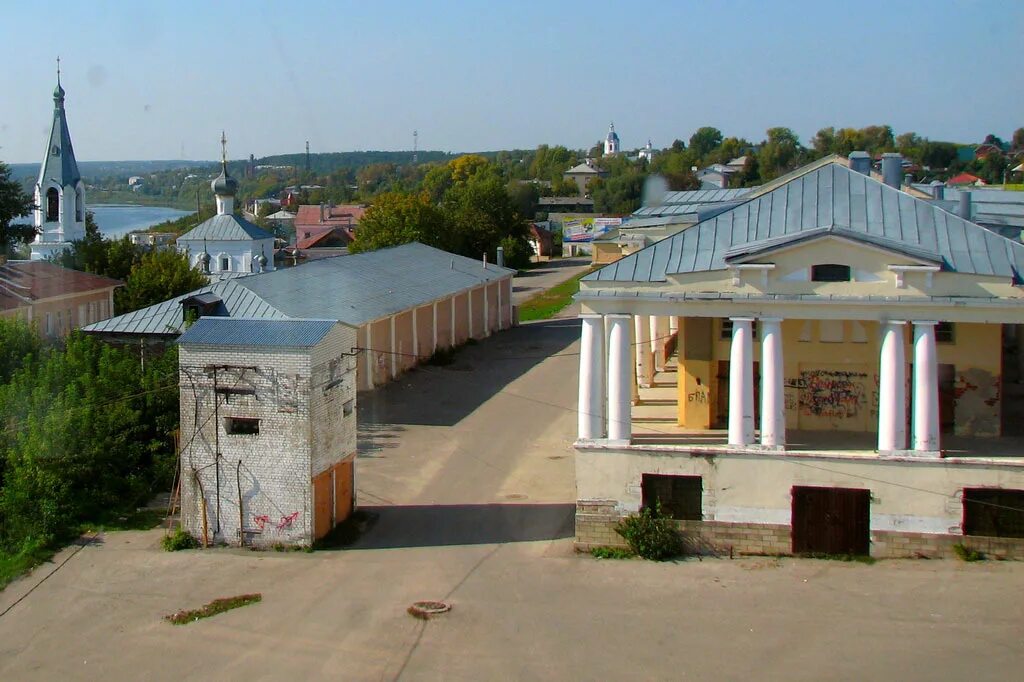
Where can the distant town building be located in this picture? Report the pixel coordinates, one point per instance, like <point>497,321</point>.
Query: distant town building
<point>135,181</point>
<point>227,245</point>
<point>583,174</point>
<point>54,300</point>
<point>158,240</point>
<point>647,153</point>
<point>327,224</point>
<point>268,426</point>
<point>59,215</point>
<point>611,142</point>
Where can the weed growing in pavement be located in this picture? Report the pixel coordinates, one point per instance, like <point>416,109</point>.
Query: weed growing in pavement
<point>179,539</point>
<point>611,553</point>
<point>651,534</point>
<point>965,553</point>
<point>213,608</point>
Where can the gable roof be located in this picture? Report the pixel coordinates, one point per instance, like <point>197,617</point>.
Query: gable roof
<point>582,169</point>
<point>249,333</point>
<point>31,281</point>
<point>353,289</point>
<point>308,215</point>
<point>830,196</point>
<point>225,227</point>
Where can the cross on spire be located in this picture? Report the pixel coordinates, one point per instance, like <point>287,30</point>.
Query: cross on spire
<point>223,148</point>
<point>58,69</point>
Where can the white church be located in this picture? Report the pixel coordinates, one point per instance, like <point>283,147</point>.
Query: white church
<point>227,245</point>
<point>59,214</point>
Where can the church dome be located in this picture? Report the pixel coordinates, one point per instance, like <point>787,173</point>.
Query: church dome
<point>224,184</point>
<point>58,92</point>
<point>612,135</point>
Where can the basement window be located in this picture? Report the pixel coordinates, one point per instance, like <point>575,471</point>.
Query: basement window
<point>994,512</point>
<point>680,496</point>
<point>944,333</point>
<point>241,426</point>
<point>830,272</point>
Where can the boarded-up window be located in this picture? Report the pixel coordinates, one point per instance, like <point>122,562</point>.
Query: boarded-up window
<point>241,426</point>
<point>994,512</point>
<point>680,496</point>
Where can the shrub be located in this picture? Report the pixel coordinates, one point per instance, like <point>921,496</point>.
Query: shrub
<point>651,534</point>
<point>965,553</point>
<point>179,539</point>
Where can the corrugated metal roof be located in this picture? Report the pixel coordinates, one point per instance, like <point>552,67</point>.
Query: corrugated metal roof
<point>830,195</point>
<point>995,208</point>
<point>60,166</point>
<point>226,331</point>
<point>704,196</point>
<point>353,289</point>
<point>225,227</point>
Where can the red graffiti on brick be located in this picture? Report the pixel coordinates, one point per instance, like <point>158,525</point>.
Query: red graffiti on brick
<point>261,521</point>
<point>287,521</point>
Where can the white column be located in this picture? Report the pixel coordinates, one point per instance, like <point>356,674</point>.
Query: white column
<point>926,388</point>
<point>773,405</point>
<point>619,378</point>
<point>591,410</point>
<point>644,372</point>
<point>673,325</point>
<point>741,383</point>
<point>892,389</point>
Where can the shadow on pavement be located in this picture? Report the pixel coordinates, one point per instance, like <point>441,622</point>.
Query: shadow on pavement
<point>464,524</point>
<point>444,395</point>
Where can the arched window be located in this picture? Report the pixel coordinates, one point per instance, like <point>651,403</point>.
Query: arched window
<point>225,262</point>
<point>52,205</point>
<point>79,206</point>
<point>830,272</point>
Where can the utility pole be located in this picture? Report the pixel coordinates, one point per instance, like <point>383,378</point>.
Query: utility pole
<point>307,156</point>
<point>415,145</point>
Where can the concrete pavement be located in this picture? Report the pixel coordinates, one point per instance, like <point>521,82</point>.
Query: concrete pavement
<point>545,275</point>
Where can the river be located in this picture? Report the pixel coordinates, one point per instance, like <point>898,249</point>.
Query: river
<point>117,220</point>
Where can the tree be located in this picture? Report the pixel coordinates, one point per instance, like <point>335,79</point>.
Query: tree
<point>780,153</point>
<point>1017,141</point>
<point>399,218</point>
<point>14,203</point>
<point>619,194</point>
<point>158,276</point>
<point>705,140</point>
<point>992,138</point>
<point>479,214</point>
<point>19,344</point>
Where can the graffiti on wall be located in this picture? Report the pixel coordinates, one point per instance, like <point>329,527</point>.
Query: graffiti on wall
<point>837,394</point>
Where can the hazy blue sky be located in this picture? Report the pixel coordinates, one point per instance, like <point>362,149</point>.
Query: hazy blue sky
<point>160,80</point>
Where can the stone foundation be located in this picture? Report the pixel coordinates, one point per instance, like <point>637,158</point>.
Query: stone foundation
<point>596,521</point>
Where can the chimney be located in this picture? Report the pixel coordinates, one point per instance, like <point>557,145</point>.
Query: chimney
<point>964,209</point>
<point>938,189</point>
<point>500,258</point>
<point>892,169</point>
<point>724,182</point>
<point>907,179</point>
<point>860,162</point>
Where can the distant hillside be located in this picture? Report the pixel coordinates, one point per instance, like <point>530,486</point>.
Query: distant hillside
<point>330,162</point>
<point>96,169</point>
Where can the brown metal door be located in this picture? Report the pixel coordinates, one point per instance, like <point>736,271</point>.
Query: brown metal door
<point>322,504</point>
<point>947,398</point>
<point>343,479</point>
<point>831,520</point>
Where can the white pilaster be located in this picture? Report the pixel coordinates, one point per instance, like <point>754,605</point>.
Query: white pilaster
<point>591,396</point>
<point>892,389</point>
<point>644,370</point>
<point>619,378</point>
<point>926,389</point>
<point>673,325</point>
<point>773,405</point>
<point>741,383</point>
<point>394,356</point>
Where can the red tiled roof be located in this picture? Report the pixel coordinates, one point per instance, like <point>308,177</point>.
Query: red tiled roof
<point>349,215</point>
<point>963,179</point>
<point>307,237</point>
<point>37,280</point>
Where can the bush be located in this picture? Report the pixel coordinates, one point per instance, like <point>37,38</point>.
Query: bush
<point>651,534</point>
<point>965,553</point>
<point>611,553</point>
<point>179,539</point>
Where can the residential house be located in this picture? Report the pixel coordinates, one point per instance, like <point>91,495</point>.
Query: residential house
<point>583,174</point>
<point>54,300</point>
<point>964,179</point>
<point>268,430</point>
<point>154,240</point>
<point>817,369</point>
<point>326,224</point>
<point>407,302</point>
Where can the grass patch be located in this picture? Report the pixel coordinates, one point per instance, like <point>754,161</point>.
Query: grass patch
<point>611,553</point>
<point>28,557</point>
<point>547,303</point>
<point>178,540</point>
<point>859,558</point>
<point>213,608</point>
<point>965,553</point>
<point>140,519</point>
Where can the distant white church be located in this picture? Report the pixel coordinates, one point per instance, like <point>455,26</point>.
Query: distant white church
<point>611,142</point>
<point>227,245</point>
<point>59,215</point>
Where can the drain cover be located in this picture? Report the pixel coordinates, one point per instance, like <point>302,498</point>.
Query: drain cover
<point>428,609</point>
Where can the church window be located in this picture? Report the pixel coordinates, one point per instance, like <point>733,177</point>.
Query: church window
<point>830,272</point>
<point>225,263</point>
<point>79,206</point>
<point>52,205</point>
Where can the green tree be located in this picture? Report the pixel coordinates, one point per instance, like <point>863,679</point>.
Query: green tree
<point>1017,141</point>
<point>619,194</point>
<point>705,141</point>
<point>19,344</point>
<point>14,203</point>
<point>780,153</point>
<point>399,218</point>
<point>158,276</point>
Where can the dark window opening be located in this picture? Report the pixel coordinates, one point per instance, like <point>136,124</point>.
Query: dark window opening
<point>680,496</point>
<point>52,205</point>
<point>241,426</point>
<point>225,263</point>
<point>727,329</point>
<point>830,272</point>
<point>994,512</point>
<point>78,207</point>
<point>944,333</point>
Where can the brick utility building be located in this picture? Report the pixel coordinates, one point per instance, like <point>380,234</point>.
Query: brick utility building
<point>268,430</point>
<point>54,300</point>
<point>406,302</point>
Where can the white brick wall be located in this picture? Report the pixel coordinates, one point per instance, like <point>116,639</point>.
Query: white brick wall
<point>303,430</point>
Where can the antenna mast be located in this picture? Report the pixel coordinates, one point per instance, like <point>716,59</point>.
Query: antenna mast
<point>415,145</point>
<point>307,156</point>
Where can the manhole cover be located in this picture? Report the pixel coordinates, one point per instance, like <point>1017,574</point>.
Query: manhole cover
<point>428,609</point>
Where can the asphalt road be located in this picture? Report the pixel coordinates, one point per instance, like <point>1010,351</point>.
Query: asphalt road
<point>468,470</point>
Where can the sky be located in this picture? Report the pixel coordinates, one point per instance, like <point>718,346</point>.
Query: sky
<point>160,80</point>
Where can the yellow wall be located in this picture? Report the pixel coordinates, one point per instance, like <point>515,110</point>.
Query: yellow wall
<point>831,374</point>
<point>605,252</point>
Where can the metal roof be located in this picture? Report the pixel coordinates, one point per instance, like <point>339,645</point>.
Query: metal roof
<point>226,331</point>
<point>59,162</point>
<point>225,227</point>
<point>686,209</point>
<point>995,208</point>
<point>831,195</point>
<point>353,289</point>
<point>704,196</point>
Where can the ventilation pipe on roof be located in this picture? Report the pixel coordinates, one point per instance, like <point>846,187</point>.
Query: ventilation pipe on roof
<point>860,162</point>
<point>892,169</point>
<point>907,179</point>
<point>938,189</point>
<point>964,209</point>
<point>500,258</point>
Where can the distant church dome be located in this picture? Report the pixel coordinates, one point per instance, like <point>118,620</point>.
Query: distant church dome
<point>224,184</point>
<point>611,143</point>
